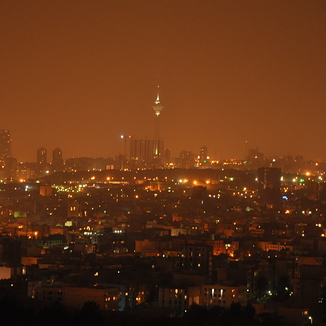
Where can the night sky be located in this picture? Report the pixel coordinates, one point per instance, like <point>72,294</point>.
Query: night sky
<point>78,74</point>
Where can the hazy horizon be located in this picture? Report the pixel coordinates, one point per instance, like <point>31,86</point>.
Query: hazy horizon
<point>78,75</point>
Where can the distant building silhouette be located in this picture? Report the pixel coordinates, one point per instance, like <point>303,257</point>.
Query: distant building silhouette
<point>41,156</point>
<point>167,156</point>
<point>57,161</point>
<point>203,155</point>
<point>7,163</point>
<point>186,160</point>
<point>255,157</point>
<point>5,145</point>
<point>10,168</point>
<point>142,151</point>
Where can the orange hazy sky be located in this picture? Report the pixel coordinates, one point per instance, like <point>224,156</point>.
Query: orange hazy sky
<point>78,74</point>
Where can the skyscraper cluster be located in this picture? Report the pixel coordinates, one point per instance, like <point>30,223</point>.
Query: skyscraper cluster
<point>42,163</point>
<point>10,170</point>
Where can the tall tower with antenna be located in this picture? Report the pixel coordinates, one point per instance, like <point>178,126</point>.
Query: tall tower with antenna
<point>157,150</point>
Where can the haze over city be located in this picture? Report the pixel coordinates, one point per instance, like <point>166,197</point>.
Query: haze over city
<point>77,75</point>
<point>162,162</point>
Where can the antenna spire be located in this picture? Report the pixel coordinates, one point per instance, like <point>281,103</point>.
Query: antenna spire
<point>158,95</point>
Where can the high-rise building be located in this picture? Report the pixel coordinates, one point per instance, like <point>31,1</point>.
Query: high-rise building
<point>41,162</point>
<point>10,170</point>
<point>186,160</point>
<point>41,156</point>
<point>142,151</point>
<point>57,161</point>
<point>203,157</point>
<point>167,156</point>
<point>269,185</point>
<point>5,145</point>
<point>7,163</point>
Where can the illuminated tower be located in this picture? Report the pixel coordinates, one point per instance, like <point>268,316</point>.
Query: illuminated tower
<point>157,150</point>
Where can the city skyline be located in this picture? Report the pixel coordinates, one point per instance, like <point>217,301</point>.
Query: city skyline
<point>79,77</point>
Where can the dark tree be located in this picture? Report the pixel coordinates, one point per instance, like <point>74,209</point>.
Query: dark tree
<point>90,314</point>
<point>196,315</point>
